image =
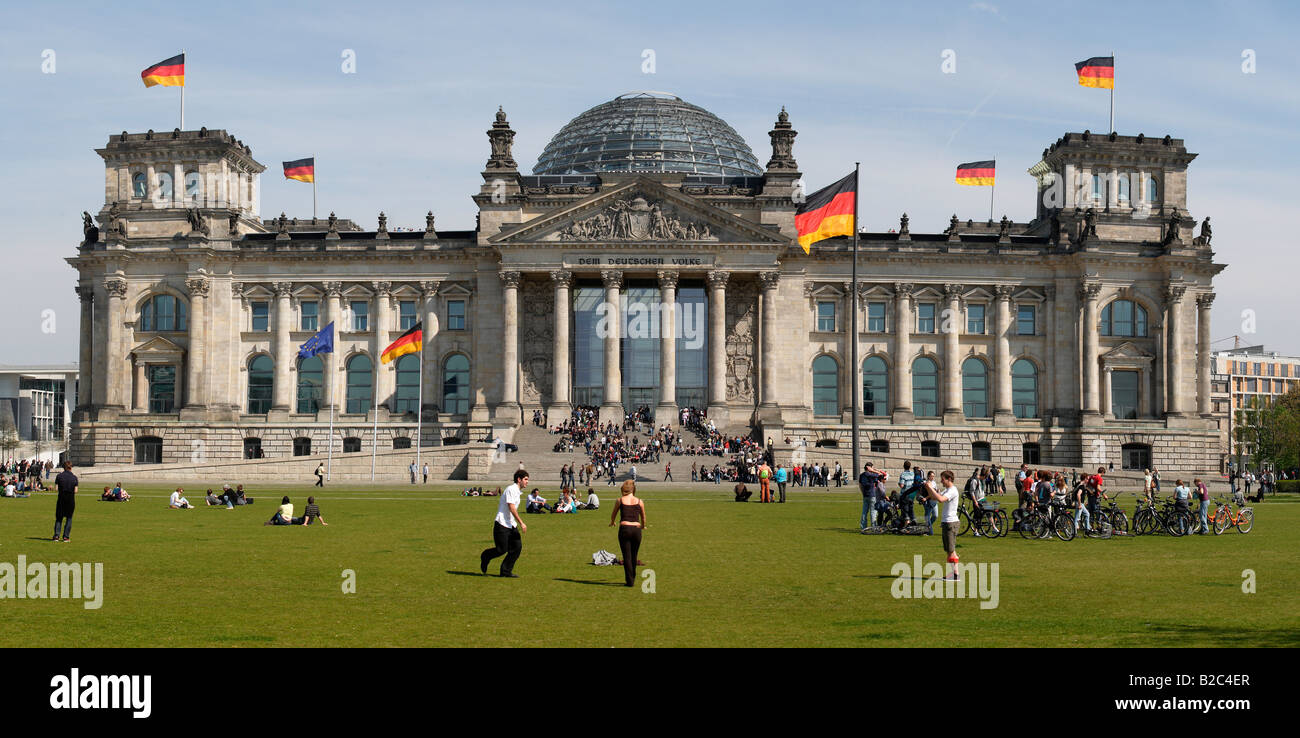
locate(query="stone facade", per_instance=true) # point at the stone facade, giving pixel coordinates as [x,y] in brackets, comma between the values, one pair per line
[1078,338]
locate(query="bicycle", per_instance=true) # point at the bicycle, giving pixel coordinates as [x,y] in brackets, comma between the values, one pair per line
[1107,521]
[1044,520]
[1224,518]
[989,519]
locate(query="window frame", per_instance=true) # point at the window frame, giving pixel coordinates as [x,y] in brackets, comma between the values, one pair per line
[452,318]
[822,319]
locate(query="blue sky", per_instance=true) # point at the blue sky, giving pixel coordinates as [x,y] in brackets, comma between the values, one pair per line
[862,81]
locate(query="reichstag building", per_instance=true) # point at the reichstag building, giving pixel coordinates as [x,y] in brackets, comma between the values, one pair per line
[1080,336]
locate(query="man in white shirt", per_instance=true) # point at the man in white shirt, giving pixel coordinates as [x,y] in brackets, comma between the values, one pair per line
[536,503]
[593,502]
[951,500]
[177,501]
[507,529]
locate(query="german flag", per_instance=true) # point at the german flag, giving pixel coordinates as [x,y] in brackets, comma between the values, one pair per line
[410,343]
[303,170]
[1098,71]
[169,73]
[977,173]
[828,212]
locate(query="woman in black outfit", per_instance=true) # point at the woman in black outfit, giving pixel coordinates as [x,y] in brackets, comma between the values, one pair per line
[632,511]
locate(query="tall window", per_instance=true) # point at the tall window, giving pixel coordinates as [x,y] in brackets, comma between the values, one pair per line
[1098,188]
[975,388]
[925,388]
[925,318]
[1026,320]
[261,316]
[164,186]
[875,317]
[162,389]
[163,313]
[261,376]
[310,312]
[360,315]
[455,385]
[1153,192]
[139,186]
[826,386]
[1124,394]
[875,387]
[407,395]
[826,317]
[455,315]
[975,319]
[311,372]
[1024,389]
[193,188]
[1123,188]
[406,319]
[588,345]
[1124,318]
[360,387]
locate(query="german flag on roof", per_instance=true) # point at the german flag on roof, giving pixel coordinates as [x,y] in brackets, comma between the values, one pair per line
[303,170]
[977,173]
[409,343]
[1098,71]
[169,73]
[827,213]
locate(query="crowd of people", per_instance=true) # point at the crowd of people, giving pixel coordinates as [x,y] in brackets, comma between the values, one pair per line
[25,476]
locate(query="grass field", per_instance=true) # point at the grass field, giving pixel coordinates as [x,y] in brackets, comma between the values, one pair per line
[725,574]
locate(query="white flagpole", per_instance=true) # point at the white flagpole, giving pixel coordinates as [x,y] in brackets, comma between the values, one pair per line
[329,459]
[313,189]
[1112,91]
[182,99]
[374,440]
[419,407]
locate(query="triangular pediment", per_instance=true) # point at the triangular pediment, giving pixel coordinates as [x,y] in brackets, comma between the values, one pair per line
[1126,350]
[639,211]
[157,347]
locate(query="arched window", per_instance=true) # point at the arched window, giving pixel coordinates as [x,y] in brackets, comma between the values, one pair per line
[1153,191]
[407,395]
[1124,318]
[360,388]
[163,313]
[875,387]
[164,186]
[975,388]
[139,186]
[1098,188]
[455,385]
[193,187]
[311,373]
[148,450]
[1024,389]
[261,378]
[925,388]
[826,386]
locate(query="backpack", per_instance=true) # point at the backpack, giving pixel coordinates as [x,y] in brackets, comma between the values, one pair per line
[603,558]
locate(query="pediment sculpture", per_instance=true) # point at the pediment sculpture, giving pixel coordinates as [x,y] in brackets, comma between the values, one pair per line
[635,219]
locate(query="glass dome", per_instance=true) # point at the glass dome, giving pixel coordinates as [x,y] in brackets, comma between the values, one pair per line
[648,132]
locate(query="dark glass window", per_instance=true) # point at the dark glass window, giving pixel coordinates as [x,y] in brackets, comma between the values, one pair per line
[162,389]
[310,312]
[826,317]
[1024,389]
[975,388]
[930,448]
[455,385]
[261,316]
[875,387]
[879,446]
[163,313]
[261,378]
[925,318]
[1031,453]
[401,442]
[925,388]
[360,386]
[1135,456]
[826,386]
[311,372]
[407,393]
[1026,320]
[360,315]
[351,445]
[406,318]
[455,315]
[875,317]
[975,319]
[302,447]
[1124,318]
[148,450]
[981,451]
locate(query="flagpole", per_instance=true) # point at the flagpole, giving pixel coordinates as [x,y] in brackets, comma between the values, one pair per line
[1112,91]
[992,189]
[313,189]
[182,98]
[329,458]
[853,329]
[374,434]
[419,408]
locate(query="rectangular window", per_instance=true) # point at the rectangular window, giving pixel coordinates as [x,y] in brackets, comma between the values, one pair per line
[261,316]
[1257,369]
[360,315]
[826,317]
[975,319]
[455,315]
[162,389]
[1252,385]
[925,318]
[1026,324]
[1272,370]
[875,317]
[406,315]
[1124,394]
[309,316]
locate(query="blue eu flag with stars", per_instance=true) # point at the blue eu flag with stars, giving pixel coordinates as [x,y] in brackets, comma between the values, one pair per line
[321,343]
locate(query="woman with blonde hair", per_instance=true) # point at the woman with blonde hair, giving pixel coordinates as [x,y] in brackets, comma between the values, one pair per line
[631,510]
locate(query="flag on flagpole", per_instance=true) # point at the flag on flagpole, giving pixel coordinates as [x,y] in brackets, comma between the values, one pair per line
[169,73]
[321,343]
[303,170]
[977,173]
[409,342]
[1098,71]
[827,213]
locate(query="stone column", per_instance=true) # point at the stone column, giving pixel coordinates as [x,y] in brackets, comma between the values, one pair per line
[383,376]
[902,389]
[1107,407]
[141,403]
[1148,401]
[195,382]
[768,282]
[432,392]
[1173,304]
[717,283]
[1088,294]
[86,358]
[1002,358]
[509,409]
[332,381]
[561,376]
[667,410]
[1047,375]
[282,390]
[950,323]
[1203,366]
[114,395]
[611,407]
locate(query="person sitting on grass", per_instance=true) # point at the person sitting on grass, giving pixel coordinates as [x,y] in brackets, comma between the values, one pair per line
[11,489]
[284,515]
[742,494]
[178,501]
[593,502]
[215,500]
[536,503]
[310,514]
[120,494]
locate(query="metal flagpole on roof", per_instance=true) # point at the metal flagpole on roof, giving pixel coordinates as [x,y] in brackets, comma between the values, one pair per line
[374,434]
[182,93]
[1112,92]
[853,329]
[313,189]
[419,406]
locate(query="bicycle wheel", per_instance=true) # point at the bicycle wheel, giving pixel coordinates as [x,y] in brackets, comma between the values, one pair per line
[1064,527]
[1245,520]
[1119,522]
[1178,524]
[1026,527]
[1222,519]
[1002,523]
[963,518]
[1042,527]
[987,525]
[1142,522]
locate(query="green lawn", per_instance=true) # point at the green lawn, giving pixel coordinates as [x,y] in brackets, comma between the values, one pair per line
[726,574]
